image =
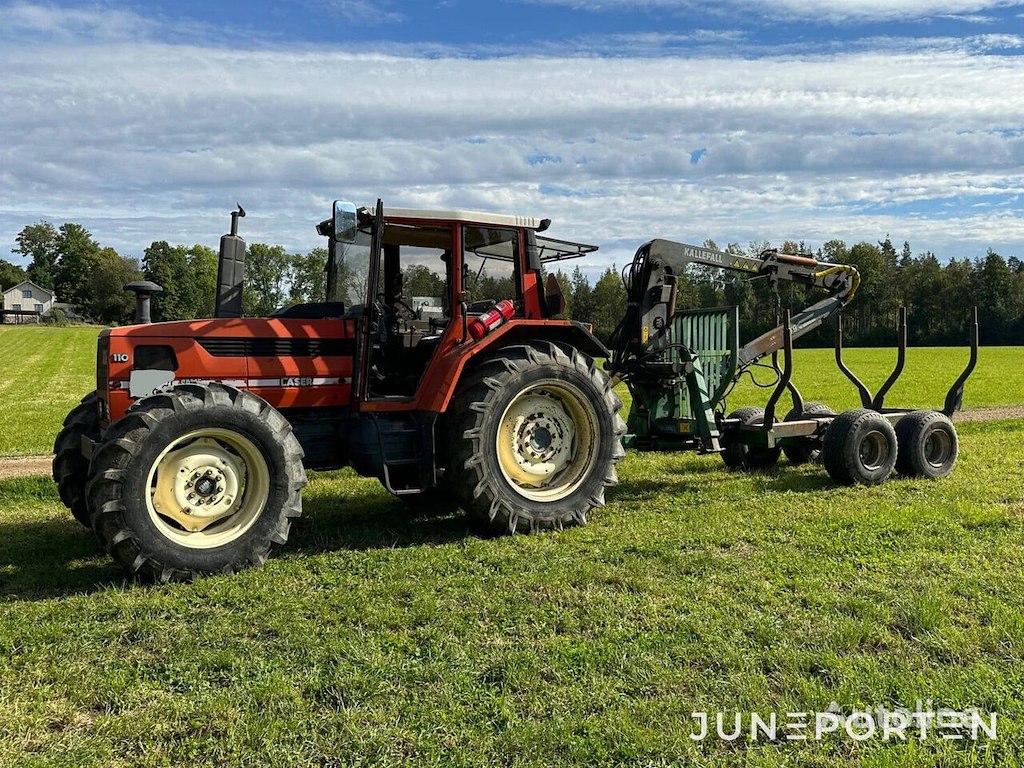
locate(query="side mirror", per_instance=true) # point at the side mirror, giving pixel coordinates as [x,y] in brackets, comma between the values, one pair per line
[344,222]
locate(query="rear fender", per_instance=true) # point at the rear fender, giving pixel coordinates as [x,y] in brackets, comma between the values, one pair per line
[568,332]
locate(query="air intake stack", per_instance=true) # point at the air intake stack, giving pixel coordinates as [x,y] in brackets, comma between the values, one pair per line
[231,270]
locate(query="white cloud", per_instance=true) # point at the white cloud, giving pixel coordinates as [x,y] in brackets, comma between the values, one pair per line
[833,11]
[357,11]
[142,141]
[22,18]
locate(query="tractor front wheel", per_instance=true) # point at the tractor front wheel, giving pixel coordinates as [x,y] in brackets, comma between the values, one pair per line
[70,467]
[196,480]
[533,438]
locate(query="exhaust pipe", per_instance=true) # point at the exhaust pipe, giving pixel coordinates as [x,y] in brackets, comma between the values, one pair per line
[231,271]
[143,290]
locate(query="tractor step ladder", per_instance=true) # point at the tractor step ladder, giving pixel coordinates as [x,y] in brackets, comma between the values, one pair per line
[404,445]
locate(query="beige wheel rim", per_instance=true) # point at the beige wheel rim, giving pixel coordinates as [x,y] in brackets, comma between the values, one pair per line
[207,488]
[547,440]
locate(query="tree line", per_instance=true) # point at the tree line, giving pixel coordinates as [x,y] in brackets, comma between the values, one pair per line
[91,277]
[938,295]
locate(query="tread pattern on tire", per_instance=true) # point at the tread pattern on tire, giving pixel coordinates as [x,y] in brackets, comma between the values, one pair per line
[740,457]
[478,484]
[835,457]
[802,453]
[909,461]
[112,462]
[70,467]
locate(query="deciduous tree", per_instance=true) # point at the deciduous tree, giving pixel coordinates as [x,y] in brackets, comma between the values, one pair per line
[38,243]
[10,274]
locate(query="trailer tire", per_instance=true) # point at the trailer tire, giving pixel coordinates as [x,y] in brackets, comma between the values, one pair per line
[533,436]
[859,448]
[928,445]
[805,452]
[195,480]
[741,457]
[70,466]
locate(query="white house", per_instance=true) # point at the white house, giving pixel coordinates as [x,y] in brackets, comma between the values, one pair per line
[26,297]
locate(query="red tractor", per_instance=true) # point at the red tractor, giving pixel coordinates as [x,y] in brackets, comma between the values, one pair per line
[191,455]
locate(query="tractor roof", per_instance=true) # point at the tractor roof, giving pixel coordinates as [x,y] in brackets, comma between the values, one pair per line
[468,217]
[551,249]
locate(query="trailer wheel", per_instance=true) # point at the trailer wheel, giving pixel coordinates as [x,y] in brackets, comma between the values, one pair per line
[805,452]
[859,448]
[928,445]
[533,438]
[739,456]
[70,467]
[196,480]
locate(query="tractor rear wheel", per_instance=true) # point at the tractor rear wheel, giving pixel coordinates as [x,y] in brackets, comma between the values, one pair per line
[859,448]
[70,467]
[743,457]
[928,445]
[196,480]
[533,438]
[805,452]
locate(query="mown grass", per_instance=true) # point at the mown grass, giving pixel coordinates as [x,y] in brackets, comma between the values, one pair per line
[929,372]
[44,372]
[376,637]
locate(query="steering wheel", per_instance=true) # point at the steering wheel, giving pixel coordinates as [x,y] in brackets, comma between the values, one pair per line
[412,312]
[383,308]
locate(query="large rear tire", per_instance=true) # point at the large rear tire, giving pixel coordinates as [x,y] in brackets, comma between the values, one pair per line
[196,480]
[533,438]
[70,467]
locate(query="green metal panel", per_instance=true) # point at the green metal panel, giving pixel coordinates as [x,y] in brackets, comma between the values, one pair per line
[682,413]
[713,336]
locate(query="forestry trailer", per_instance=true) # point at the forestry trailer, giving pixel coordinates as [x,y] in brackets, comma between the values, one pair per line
[191,455]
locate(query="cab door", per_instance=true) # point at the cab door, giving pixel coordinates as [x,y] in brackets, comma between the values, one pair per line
[368,322]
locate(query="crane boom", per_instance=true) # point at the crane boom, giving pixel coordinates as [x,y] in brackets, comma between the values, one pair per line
[651,285]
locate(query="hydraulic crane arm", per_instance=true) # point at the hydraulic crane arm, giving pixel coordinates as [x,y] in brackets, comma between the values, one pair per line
[651,286]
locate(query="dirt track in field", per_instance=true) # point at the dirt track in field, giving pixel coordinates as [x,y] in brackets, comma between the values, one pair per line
[991,414]
[24,466]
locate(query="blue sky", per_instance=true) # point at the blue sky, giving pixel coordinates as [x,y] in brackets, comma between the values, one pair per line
[622,120]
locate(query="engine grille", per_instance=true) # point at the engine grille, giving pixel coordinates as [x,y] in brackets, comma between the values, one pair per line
[242,347]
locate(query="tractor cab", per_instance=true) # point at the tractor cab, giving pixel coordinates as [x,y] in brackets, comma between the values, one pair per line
[420,280]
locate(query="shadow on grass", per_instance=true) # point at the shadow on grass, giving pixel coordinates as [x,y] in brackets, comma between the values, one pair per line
[695,482]
[371,520]
[52,558]
[57,557]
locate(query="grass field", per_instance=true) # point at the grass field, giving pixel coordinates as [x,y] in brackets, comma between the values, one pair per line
[380,637]
[46,371]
